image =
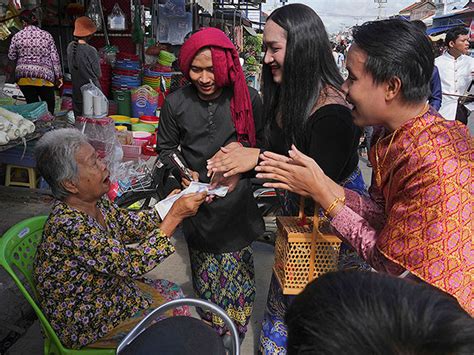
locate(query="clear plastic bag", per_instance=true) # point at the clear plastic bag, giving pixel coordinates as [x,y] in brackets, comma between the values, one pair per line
[116,19]
[94,102]
[93,12]
[101,135]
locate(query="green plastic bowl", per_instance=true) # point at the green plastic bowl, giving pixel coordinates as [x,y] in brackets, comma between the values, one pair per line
[145,127]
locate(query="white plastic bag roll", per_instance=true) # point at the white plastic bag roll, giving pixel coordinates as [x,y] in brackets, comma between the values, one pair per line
[87,103]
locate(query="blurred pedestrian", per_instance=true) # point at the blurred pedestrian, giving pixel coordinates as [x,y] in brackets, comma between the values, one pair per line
[455,70]
[83,60]
[38,67]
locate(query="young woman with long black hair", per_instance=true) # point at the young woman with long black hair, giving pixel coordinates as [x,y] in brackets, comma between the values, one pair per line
[303,105]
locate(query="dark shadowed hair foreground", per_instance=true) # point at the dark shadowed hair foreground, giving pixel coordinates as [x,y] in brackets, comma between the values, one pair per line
[350,312]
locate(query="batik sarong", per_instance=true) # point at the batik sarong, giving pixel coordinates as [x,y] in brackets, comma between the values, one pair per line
[227,280]
[160,292]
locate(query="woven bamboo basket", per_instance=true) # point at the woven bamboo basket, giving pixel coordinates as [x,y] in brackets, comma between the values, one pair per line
[303,252]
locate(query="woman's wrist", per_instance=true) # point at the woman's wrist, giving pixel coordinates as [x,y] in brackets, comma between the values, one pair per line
[335,207]
[170,223]
[327,195]
[255,155]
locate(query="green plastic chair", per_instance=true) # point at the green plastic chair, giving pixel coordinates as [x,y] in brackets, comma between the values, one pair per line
[18,248]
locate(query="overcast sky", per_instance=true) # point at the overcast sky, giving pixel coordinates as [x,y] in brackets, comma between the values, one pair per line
[337,14]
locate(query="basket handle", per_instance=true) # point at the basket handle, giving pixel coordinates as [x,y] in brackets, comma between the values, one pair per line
[315,233]
[301,214]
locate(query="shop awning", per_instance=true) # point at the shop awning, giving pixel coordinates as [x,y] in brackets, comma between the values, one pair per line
[439,29]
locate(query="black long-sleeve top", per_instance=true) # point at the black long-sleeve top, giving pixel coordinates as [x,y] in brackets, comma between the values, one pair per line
[200,128]
[331,139]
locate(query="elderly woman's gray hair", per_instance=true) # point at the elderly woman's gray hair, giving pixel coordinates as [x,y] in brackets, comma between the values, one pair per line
[56,158]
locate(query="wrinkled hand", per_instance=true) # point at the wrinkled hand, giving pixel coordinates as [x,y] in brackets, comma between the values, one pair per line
[297,173]
[233,160]
[185,182]
[187,205]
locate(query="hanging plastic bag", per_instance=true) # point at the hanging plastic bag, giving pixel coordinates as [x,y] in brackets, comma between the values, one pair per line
[101,135]
[116,19]
[137,32]
[93,12]
[94,102]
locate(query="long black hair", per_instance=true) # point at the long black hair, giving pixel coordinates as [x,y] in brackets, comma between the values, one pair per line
[309,66]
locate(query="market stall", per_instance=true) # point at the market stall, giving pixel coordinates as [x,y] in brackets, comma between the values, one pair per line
[138,42]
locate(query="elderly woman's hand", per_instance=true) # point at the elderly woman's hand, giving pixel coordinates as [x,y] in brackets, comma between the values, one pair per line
[188,205]
[299,174]
[185,206]
[233,159]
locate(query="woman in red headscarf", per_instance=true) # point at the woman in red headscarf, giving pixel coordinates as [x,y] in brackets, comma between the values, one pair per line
[216,110]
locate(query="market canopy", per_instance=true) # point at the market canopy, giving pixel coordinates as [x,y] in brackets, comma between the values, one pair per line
[439,29]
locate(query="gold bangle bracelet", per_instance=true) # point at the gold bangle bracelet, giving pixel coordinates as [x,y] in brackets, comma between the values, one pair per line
[333,205]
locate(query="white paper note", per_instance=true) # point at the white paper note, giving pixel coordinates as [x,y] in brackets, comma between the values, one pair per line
[164,206]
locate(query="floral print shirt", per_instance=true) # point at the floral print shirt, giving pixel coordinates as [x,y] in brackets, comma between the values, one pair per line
[35,54]
[85,273]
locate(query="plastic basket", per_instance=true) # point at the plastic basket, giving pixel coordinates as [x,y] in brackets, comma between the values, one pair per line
[123,100]
[31,112]
[131,151]
[302,253]
[144,101]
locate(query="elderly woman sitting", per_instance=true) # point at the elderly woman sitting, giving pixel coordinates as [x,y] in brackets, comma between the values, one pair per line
[86,276]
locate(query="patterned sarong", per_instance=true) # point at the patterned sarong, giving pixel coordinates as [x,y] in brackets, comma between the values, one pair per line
[228,280]
[160,291]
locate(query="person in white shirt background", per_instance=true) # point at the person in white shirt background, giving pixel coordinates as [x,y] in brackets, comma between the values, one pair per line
[455,71]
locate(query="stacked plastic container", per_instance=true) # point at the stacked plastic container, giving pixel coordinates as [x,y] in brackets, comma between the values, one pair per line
[126,76]
[144,101]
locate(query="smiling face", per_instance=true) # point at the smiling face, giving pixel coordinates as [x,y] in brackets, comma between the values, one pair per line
[367,97]
[93,176]
[202,75]
[274,38]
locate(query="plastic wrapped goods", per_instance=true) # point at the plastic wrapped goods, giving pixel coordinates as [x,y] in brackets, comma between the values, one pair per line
[101,135]
[94,102]
[116,19]
[93,12]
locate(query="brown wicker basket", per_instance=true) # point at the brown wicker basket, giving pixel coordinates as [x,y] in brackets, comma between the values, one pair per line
[303,252]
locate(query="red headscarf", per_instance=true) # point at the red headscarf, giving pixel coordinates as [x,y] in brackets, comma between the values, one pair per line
[227,72]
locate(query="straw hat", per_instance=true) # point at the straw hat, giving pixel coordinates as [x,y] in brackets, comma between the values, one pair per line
[84,27]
